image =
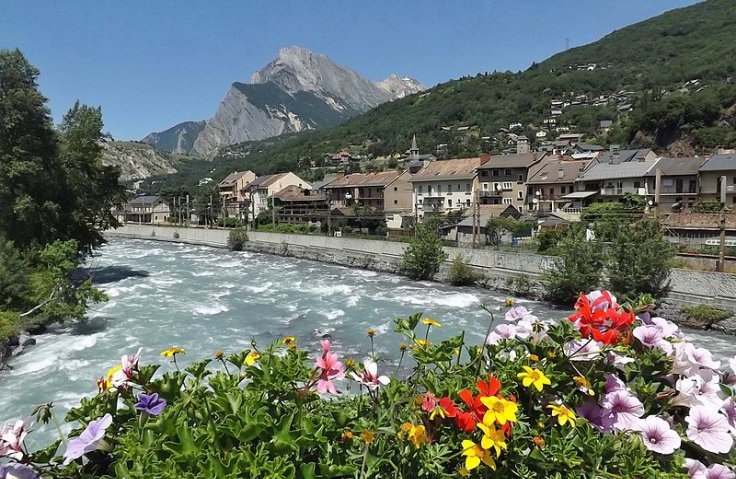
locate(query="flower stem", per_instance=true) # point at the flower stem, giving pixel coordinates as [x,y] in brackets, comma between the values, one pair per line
[58,426]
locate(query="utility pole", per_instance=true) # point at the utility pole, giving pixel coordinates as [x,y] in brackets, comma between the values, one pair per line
[188,215]
[475,220]
[273,213]
[722,225]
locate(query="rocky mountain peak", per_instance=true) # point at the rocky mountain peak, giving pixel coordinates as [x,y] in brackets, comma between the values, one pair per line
[399,87]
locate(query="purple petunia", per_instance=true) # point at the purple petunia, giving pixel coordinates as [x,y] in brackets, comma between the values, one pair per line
[621,410]
[652,337]
[709,430]
[516,313]
[501,332]
[658,436]
[90,439]
[15,470]
[696,470]
[152,404]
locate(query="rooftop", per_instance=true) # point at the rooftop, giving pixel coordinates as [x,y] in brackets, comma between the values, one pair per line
[265,181]
[381,178]
[677,166]
[524,160]
[625,156]
[701,221]
[548,171]
[457,169]
[606,171]
[486,212]
[293,193]
[719,163]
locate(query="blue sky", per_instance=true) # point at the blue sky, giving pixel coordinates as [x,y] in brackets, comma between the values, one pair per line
[152,64]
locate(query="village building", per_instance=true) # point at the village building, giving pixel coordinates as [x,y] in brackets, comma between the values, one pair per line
[233,198]
[700,229]
[295,204]
[615,179]
[463,231]
[444,186]
[711,172]
[672,183]
[148,209]
[413,160]
[260,190]
[551,181]
[502,179]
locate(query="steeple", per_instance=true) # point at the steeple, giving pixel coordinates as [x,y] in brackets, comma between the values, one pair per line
[414,150]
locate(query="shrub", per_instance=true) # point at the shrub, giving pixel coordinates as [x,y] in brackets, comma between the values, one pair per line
[229,222]
[547,404]
[237,239]
[704,316]
[579,265]
[461,274]
[9,326]
[424,255]
[522,284]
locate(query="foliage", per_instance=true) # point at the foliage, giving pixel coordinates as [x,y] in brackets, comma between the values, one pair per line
[229,222]
[579,264]
[710,207]
[547,240]
[533,400]
[289,228]
[607,218]
[424,254]
[13,277]
[236,239]
[52,183]
[461,274]
[705,315]
[639,260]
[495,228]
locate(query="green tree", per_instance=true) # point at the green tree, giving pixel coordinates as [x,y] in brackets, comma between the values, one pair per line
[92,189]
[424,254]
[607,218]
[13,277]
[578,267]
[495,228]
[30,172]
[639,260]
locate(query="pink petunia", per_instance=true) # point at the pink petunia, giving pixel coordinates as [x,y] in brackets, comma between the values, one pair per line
[652,337]
[719,471]
[658,436]
[516,313]
[702,389]
[500,333]
[622,410]
[709,430]
[12,436]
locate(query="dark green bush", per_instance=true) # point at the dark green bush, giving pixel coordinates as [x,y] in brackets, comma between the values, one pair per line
[236,239]
[705,315]
[461,274]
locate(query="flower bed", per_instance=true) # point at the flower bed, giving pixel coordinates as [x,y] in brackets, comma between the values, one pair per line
[614,392]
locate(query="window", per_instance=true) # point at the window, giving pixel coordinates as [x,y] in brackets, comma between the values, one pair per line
[396,189]
[467,187]
[458,187]
[485,186]
[467,203]
[483,173]
[449,203]
[507,172]
[520,178]
[396,202]
[495,172]
[692,187]
[552,191]
[420,189]
[439,189]
[507,201]
[520,195]
[637,184]
[429,189]
[507,185]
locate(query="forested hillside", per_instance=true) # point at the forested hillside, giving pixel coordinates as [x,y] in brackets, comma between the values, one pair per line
[669,81]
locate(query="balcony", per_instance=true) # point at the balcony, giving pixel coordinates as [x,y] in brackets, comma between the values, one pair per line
[615,191]
[489,193]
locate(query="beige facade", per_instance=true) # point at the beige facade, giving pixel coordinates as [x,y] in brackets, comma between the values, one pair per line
[232,192]
[259,191]
[146,210]
[502,179]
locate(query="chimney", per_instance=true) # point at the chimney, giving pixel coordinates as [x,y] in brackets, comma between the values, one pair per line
[484,158]
[560,173]
[615,157]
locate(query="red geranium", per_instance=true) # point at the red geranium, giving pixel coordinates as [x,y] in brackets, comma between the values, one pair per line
[602,319]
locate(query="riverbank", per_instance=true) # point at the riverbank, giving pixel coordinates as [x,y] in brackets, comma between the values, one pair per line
[507,272]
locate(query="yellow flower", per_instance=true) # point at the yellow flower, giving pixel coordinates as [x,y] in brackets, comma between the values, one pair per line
[431,322]
[290,342]
[219,355]
[251,358]
[539,441]
[533,376]
[349,363]
[584,385]
[405,428]
[564,415]
[463,472]
[371,332]
[173,351]
[499,410]
[368,436]
[347,436]
[533,358]
[437,411]
[474,454]
[105,383]
[420,344]
[509,302]
[417,435]
[492,438]
[403,347]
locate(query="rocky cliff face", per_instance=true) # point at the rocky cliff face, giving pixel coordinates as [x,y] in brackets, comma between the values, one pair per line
[177,139]
[298,90]
[137,160]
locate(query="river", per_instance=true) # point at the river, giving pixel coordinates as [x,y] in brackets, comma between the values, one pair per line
[205,299]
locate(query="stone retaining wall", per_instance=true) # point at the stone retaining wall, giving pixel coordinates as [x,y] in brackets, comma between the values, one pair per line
[505,271]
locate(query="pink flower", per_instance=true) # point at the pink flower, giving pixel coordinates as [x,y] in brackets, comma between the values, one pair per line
[516,313]
[602,299]
[729,409]
[129,363]
[619,361]
[581,349]
[622,410]
[732,363]
[429,403]
[668,328]
[330,369]
[592,412]
[658,436]
[652,337]
[614,383]
[709,430]
[701,389]
[370,377]
[696,470]
[12,437]
[501,332]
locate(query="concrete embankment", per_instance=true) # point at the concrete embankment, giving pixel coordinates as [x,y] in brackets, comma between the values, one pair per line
[516,273]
